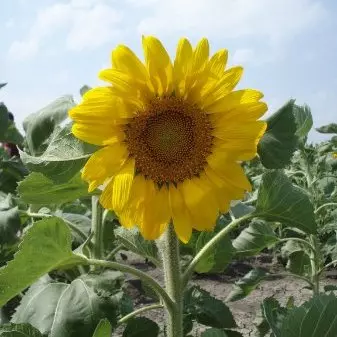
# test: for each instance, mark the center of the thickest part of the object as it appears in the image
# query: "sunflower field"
(166, 203)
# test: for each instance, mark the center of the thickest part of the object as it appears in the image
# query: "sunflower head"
(173, 135)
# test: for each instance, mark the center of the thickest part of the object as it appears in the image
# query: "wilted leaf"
(45, 246)
(246, 285)
(279, 142)
(279, 200)
(38, 189)
(208, 310)
(63, 158)
(255, 238)
(141, 327)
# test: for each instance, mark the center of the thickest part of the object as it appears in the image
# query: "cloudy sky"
(49, 48)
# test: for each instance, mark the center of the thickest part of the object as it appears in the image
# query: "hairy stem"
(328, 204)
(169, 248)
(97, 228)
(139, 311)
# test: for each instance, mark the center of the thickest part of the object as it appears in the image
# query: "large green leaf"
(103, 329)
(38, 189)
(134, 241)
(41, 124)
(214, 333)
(278, 144)
(246, 285)
(255, 238)
(19, 330)
(279, 200)
(304, 120)
(330, 128)
(45, 246)
(299, 263)
(63, 158)
(208, 310)
(140, 327)
(73, 309)
(218, 258)
(9, 221)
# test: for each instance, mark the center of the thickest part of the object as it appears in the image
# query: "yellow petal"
(101, 106)
(200, 55)
(118, 79)
(182, 220)
(217, 63)
(234, 99)
(104, 163)
(229, 171)
(158, 64)
(225, 85)
(124, 59)
(98, 134)
(221, 193)
(200, 202)
(182, 63)
(156, 211)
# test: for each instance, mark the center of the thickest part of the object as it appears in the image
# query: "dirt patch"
(219, 285)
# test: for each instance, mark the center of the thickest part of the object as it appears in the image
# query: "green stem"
(141, 275)
(97, 228)
(327, 266)
(114, 252)
(169, 248)
(70, 224)
(304, 242)
(314, 265)
(139, 311)
(209, 246)
(328, 204)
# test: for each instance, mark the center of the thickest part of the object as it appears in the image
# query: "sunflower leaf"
(279, 200)
(19, 330)
(103, 329)
(330, 128)
(304, 120)
(141, 326)
(63, 158)
(37, 189)
(46, 246)
(278, 144)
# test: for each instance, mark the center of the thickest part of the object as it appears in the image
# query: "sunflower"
(172, 137)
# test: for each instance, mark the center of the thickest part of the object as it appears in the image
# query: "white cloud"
(10, 23)
(88, 23)
(242, 56)
(275, 20)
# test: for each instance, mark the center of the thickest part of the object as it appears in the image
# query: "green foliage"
(207, 310)
(40, 125)
(38, 189)
(19, 330)
(103, 329)
(330, 128)
(255, 238)
(141, 326)
(8, 131)
(279, 200)
(315, 318)
(279, 142)
(62, 159)
(304, 120)
(73, 309)
(218, 258)
(246, 285)
(9, 220)
(46, 246)
(11, 172)
(133, 240)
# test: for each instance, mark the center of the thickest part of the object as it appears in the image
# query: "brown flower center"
(170, 140)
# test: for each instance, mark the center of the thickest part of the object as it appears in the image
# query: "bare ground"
(219, 285)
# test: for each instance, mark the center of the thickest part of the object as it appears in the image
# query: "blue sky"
(49, 48)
